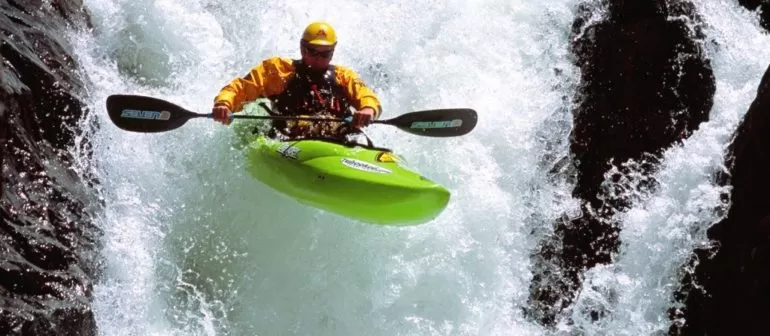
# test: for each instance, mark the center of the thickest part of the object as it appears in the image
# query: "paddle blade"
(436, 123)
(146, 114)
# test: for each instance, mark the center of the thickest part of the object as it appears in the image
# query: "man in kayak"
(309, 86)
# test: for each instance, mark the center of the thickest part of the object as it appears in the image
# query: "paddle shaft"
(296, 118)
(274, 117)
(236, 116)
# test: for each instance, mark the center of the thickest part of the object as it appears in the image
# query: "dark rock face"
(736, 274)
(763, 9)
(645, 86)
(46, 234)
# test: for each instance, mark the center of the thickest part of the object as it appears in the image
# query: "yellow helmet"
(320, 33)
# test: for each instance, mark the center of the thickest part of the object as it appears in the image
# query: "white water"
(193, 246)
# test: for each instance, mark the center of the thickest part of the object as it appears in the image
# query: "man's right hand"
(222, 114)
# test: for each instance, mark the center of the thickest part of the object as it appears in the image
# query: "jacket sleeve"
(266, 79)
(359, 94)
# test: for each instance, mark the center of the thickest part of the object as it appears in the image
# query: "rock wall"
(47, 237)
(729, 291)
(645, 85)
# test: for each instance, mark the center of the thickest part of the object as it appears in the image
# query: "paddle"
(149, 115)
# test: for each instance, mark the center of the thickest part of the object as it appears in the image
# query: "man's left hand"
(362, 117)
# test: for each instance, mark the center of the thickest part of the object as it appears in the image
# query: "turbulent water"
(194, 246)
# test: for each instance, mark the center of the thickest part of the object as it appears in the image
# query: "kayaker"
(309, 86)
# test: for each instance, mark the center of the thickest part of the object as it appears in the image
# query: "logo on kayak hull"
(289, 151)
(437, 124)
(148, 115)
(364, 166)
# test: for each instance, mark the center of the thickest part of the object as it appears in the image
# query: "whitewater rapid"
(194, 246)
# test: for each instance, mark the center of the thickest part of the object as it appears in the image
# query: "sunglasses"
(319, 53)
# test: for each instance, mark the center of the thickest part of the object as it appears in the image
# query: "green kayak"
(356, 181)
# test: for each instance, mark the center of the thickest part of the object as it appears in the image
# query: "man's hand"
(222, 114)
(362, 117)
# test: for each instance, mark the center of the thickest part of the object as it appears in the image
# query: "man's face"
(317, 57)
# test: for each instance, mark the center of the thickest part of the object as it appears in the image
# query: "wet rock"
(727, 288)
(646, 85)
(762, 7)
(47, 237)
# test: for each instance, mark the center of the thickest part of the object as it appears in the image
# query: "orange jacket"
(270, 78)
